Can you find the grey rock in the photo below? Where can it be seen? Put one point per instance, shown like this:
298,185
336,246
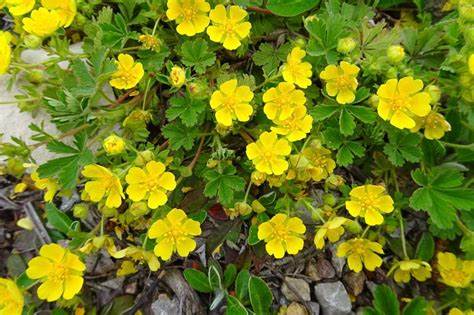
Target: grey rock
320,269
355,282
337,262
292,285
165,306
314,308
311,271
296,309
333,298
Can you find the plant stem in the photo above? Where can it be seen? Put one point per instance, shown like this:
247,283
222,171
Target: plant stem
402,235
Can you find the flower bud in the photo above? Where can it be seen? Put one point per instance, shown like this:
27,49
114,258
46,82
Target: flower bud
138,209
15,167
300,42
346,45
257,206
35,76
392,73
334,181
197,89
353,226
149,42
113,145
32,41
434,92
374,101
243,208
395,53
137,119
80,211
258,178
143,157
177,76
329,200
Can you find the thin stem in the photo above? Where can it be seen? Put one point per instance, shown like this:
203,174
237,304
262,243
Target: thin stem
402,235
247,191
367,228
462,227
309,206
459,146
270,79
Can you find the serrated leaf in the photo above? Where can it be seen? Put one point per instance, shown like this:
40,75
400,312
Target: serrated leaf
346,123
322,112
186,108
223,185
180,136
195,53
346,153
290,8
363,113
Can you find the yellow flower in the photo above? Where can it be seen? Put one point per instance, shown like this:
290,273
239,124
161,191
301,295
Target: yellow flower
314,162
59,270
149,42
368,201
420,270
228,26
113,144
295,70
401,101
137,254
268,153
281,101
470,64
341,81
191,15
150,183
457,311
128,72
455,272
5,51
358,251
127,267
174,234
258,178
11,299
435,126
282,234
296,126
231,102
50,185
104,183
19,7
332,230
65,8
42,22
177,76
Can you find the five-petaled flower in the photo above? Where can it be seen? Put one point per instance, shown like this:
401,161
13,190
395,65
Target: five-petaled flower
150,183
361,251
231,102
49,185
295,70
128,72
66,10
113,145
20,7
368,201
228,26
268,153
296,126
455,272
282,234
42,22
191,15
174,234
281,101
5,51
11,298
420,270
341,81
401,102
59,270
331,229
103,183
435,125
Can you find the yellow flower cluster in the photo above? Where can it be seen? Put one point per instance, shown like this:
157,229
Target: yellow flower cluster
295,70
59,270
11,298
268,153
455,272
369,201
128,72
332,230
228,23
313,162
434,124
341,81
420,270
282,234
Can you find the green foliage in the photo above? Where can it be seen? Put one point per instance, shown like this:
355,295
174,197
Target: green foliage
292,8
386,302
187,109
260,296
223,184
198,280
196,54
402,147
270,57
180,136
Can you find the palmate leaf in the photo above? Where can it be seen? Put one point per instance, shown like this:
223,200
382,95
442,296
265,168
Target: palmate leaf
402,147
223,185
186,108
180,136
195,53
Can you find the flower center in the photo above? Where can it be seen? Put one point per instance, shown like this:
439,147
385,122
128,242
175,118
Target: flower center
189,13
457,276
344,82
229,28
59,273
398,103
358,247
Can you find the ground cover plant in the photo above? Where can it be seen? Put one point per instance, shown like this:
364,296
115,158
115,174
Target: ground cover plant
239,157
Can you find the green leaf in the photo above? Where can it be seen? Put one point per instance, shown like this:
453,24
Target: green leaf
197,280
24,283
346,153
269,57
416,306
425,248
195,53
235,307
223,185
115,34
186,108
229,275
403,146
385,300
346,122
58,219
214,277
322,112
290,8
467,245
242,284
260,296
253,235
180,136
364,114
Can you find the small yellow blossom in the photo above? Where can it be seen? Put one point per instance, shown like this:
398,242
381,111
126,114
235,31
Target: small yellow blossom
19,188
231,102
138,254
59,270
228,26
395,53
296,126
341,81
66,10
361,251
149,41
314,162
20,7
42,22
11,299
191,15
50,185
282,234
126,268
401,102
5,51
406,269
258,178
369,201
113,144
174,234
103,183
295,70
332,230
150,183
177,76
457,311
268,153
435,125
281,101
455,272
128,73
